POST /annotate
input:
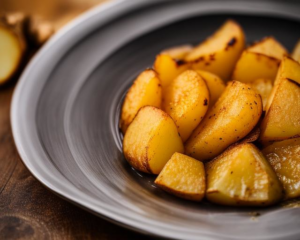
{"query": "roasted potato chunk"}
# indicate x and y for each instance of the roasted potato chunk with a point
(233, 116)
(168, 68)
(178, 52)
(219, 53)
(150, 140)
(11, 52)
(296, 52)
(184, 177)
(264, 88)
(259, 61)
(215, 85)
(145, 91)
(282, 119)
(186, 100)
(242, 176)
(284, 157)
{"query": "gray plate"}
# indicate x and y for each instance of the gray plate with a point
(66, 106)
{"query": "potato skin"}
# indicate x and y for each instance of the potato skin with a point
(220, 52)
(186, 100)
(284, 156)
(169, 68)
(145, 91)
(233, 116)
(184, 177)
(150, 140)
(242, 176)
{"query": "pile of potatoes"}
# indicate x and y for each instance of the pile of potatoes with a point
(219, 120)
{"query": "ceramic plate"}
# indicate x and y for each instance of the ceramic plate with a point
(66, 108)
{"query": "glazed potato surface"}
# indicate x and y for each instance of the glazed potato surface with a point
(242, 176)
(233, 116)
(219, 53)
(145, 91)
(284, 156)
(150, 140)
(186, 100)
(184, 177)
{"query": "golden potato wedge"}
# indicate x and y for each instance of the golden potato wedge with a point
(150, 140)
(145, 91)
(242, 176)
(219, 53)
(296, 52)
(282, 119)
(11, 52)
(168, 68)
(264, 88)
(186, 100)
(215, 85)
(284, 156)
(178, 52)
(259, 61)
(184, 177)
(233, 116)
(269, 46)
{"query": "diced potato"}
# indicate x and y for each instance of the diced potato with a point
(178, 52)
(11, 53)
(242, 176)
(184, 177)
(296, 52)
(264, 88)
(145, 91)
(150, 140)
(233, 116)
(186, 100)
(259, 61)
(269, 46)
(219, 53)
(282, 119)
(169, 68)
(215, 86)
(284, 157)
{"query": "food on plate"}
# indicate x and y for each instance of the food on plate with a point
(12, 47)
(150, 140)
(145, 91)
(219, 53)
(282, 118)
(168, 68)
(242, 176)
(184, 177)
(186, 100)
(284, 156)
(178, 52)
(264, 88)
(215, 85)
(233, 116)
(234, 143)
(260, 60)
(296, 52)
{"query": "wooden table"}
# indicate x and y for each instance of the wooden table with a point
(30, 211)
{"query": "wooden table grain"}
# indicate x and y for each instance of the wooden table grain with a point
(30, 211)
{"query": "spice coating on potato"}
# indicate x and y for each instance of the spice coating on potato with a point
(168, 68)
(233, 116)
(282, 119)
(184, 177)
(284, 156)
(216, 86)
(186, 100)
(145, 91)
(218, 54)
(264, 88)
(242, 176)
(150, 140)
(178, 52)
